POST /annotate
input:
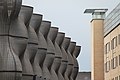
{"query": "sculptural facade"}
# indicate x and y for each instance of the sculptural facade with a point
(64, 48)
(70, 60)
(75, 54)
(70, 52)
(63, 64)
(13, 42)
(50, 50)
(30, 49)
(44, 29)
(32, 45)
(35, 23)
(57, 59)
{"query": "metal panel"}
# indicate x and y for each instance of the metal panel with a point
(112, 20)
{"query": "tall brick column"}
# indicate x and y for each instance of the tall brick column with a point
(97, 23)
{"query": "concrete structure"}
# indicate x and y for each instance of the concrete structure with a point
(42, 36)
(10, 38)
(35, 53)
(31, 49)
(75, 70)
(84, 76)
(64, 48)
(64, 61)
(58, 56)
(54, 66)
(25, 58)
(70, 51)
(105, 44)
(70, 58)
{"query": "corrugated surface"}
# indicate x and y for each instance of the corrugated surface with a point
(112, 20)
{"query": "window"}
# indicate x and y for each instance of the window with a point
(107, 66)
(116, 78)
(119, 38)
(116, 58)
(107, 47)
(114, 43)
(114, 62)
(112, 78)
(119, 59)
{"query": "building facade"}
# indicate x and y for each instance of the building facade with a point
(112, 45)
(105, 44)
(31, 48)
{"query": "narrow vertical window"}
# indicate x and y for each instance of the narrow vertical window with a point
(119, 39)
(116, 58)
(111, 63)
(112, 46)
(114, 43)
(114, 62)
(106, 67)
(119, 59)
(116, 78)
(107, 47)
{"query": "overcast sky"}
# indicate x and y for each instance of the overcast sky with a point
(68, 16)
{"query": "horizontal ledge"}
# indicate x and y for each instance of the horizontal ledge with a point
(28, 75)
(32, 43)
(50, 53)
(64, 61)
(58, 57)
(11, 71)
(70, 64)
(43, 48)
(13, 36)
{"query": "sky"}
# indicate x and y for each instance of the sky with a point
(68, 16)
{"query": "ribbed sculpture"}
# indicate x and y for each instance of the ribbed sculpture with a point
(28, 57)
(63, 64)
(44, 57)
(35, 23)
(58, 55)
(57, 59)
(65, 46)
(70, 52)
(12, 41)
(44, 29)
(51, 50)
(30, 49)
(76, 65)
(70, 60)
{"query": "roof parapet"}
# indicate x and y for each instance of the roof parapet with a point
(97, 13)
